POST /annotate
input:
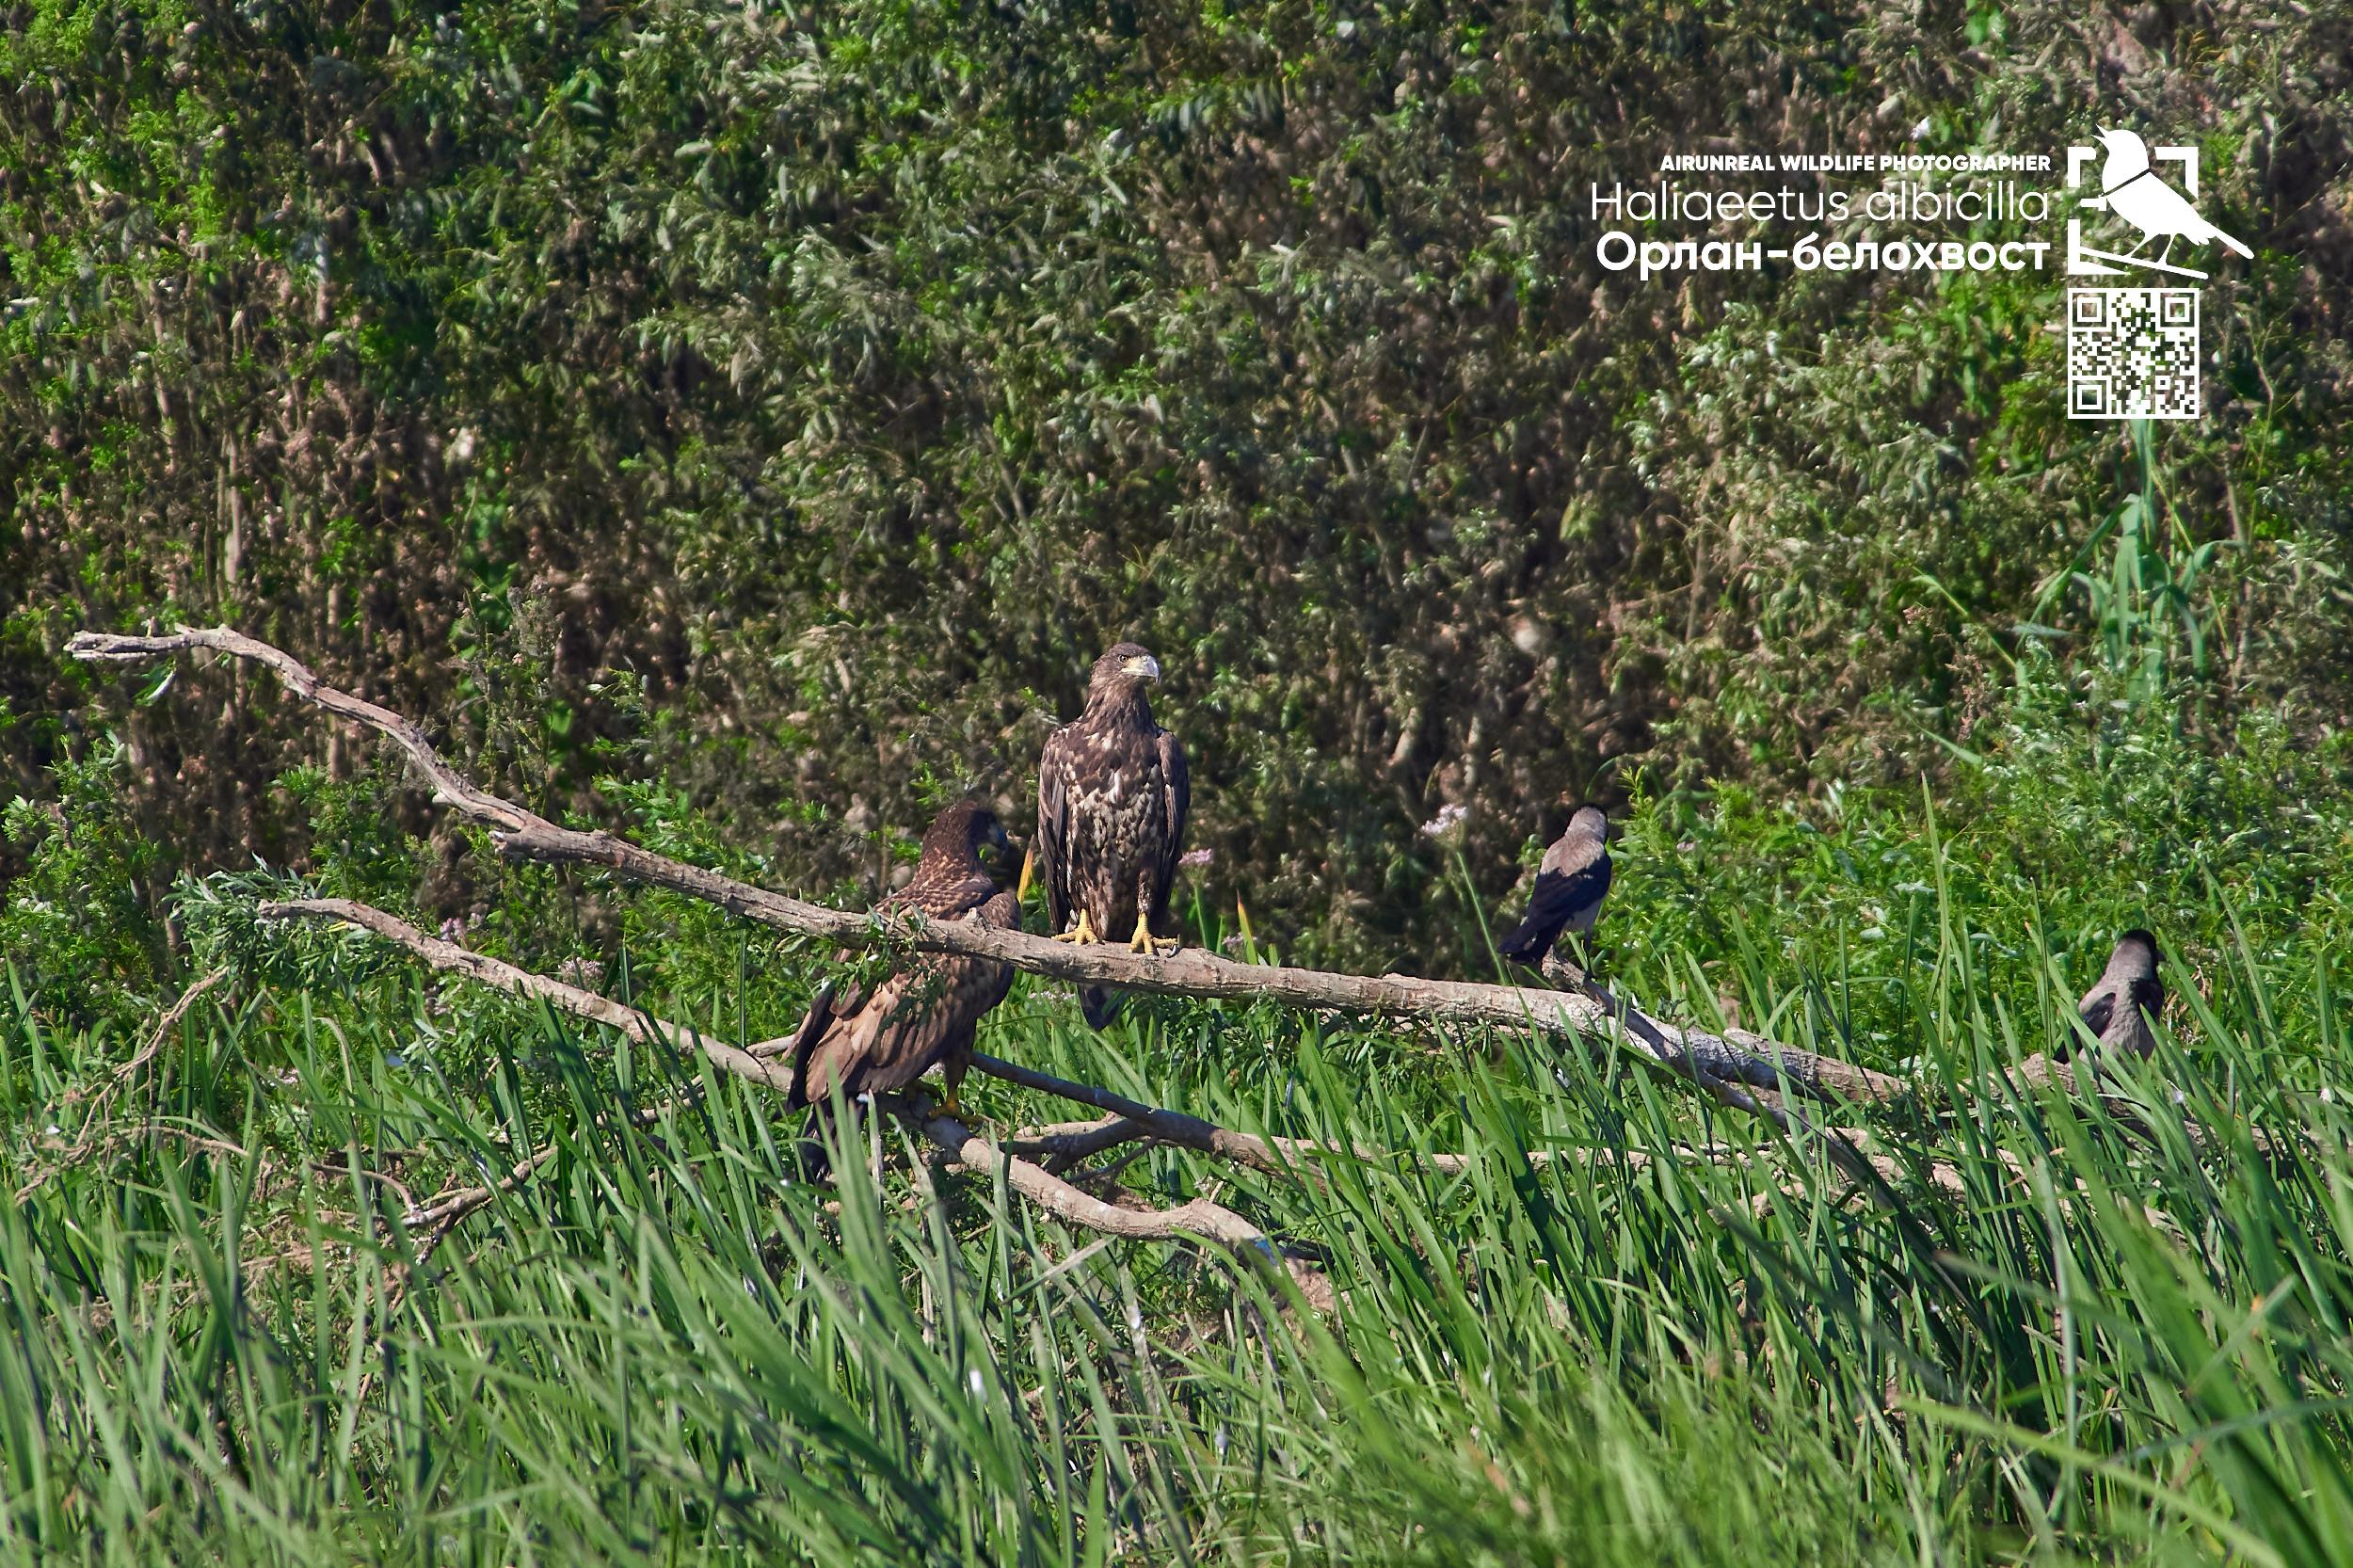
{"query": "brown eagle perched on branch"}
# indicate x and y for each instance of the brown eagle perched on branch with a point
(872, 1041)
(1112, 799)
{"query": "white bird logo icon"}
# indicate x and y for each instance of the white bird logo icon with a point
(2134, 192)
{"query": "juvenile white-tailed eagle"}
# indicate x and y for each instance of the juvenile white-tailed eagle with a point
(1111, 798)
(872, 1041)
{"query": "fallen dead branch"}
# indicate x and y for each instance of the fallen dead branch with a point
(1740, 1070)
(1587, 1012)
(1199, 1219)
(1712, 1061)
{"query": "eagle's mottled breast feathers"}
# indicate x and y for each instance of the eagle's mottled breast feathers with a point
(1113, 798)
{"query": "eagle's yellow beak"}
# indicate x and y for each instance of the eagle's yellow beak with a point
(1145, 667)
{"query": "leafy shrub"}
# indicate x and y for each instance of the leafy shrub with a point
(848, 375)
(83, 927)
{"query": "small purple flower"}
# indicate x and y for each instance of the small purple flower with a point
(1450, 816)
(451, 929)
(1196, 856)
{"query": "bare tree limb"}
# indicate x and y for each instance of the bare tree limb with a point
(1199, 1218)
(1167, 1127)
(1710, 1060)
(1585, 1011)
(1068, 1143)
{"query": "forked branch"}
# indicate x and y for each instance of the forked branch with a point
(1199, 1218)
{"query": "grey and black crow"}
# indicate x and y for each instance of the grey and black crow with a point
(1569, 885)
(2118, 1008)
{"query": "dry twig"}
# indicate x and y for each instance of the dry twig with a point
(442, 1213)
(94, 1134)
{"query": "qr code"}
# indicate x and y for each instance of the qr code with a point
(2132, 353)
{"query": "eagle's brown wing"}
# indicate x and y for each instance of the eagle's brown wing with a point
(837, 1002)
(823, 1008)
(1053, 827)
(1176, 798)
(919, 1016)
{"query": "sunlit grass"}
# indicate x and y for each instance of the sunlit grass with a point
(667, 1349)
(1630, 1327)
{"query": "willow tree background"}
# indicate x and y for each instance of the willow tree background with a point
(786, 402)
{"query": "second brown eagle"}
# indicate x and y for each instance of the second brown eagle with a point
(870, 1040)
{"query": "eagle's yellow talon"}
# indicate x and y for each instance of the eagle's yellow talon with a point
(1149, 945)
(1083, 932)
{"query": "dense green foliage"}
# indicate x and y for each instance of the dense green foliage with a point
(664, 1350)
(846, 376)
